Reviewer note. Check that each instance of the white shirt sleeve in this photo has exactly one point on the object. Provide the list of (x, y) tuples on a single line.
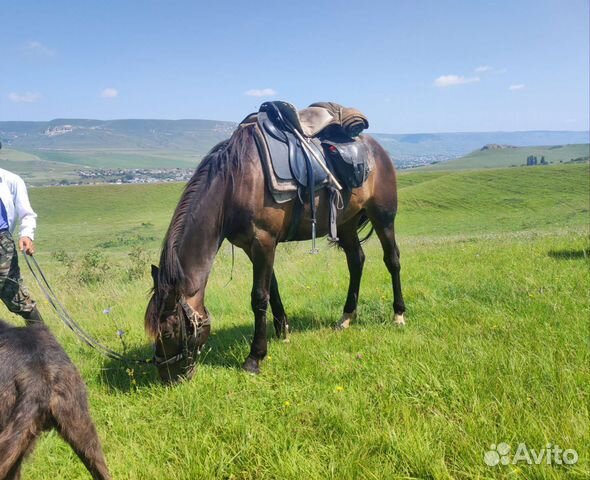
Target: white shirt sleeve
[(24, 211)]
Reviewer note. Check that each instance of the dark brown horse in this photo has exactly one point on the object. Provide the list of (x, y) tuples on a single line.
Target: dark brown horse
[(227, 198)]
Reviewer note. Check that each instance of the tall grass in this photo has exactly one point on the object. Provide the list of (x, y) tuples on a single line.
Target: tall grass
[(495, 272)]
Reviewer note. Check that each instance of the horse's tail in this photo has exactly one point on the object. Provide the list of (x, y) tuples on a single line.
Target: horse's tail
[(363, 222)]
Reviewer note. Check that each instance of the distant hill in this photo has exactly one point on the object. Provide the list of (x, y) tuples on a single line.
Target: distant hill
[(55, 151), (497, 156), (412, 150), (200, 135), (72, 134)]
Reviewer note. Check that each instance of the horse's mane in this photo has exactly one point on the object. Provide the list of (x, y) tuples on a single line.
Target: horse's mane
[(222, 161)]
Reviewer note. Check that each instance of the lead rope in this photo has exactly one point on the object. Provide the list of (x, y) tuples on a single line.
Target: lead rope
[(66, 318)]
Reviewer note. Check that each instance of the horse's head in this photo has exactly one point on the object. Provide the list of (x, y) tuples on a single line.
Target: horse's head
[(178, 330)]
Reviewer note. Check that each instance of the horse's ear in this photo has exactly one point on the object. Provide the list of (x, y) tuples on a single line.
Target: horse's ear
[(155, 271)]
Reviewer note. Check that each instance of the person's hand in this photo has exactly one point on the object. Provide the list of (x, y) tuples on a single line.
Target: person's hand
[(25, 244)]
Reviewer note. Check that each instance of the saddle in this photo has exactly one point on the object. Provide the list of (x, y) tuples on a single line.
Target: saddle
[(310, 149), (311, 121)]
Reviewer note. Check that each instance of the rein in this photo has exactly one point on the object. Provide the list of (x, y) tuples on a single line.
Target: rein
[(65, 317)]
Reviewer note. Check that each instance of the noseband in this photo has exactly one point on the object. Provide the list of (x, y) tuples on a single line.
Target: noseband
[(197, 321)]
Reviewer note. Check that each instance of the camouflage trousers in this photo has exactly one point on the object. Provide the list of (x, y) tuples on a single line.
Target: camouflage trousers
[(12, 291)]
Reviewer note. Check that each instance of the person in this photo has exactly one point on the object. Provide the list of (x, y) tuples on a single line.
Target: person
[(15, 207)]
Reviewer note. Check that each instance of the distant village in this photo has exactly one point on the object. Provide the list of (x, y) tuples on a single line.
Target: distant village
[(120, 176)]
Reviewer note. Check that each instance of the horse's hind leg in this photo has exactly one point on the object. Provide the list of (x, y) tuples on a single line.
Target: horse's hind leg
[(383, 223), (348, 240), (72, 418), (280, 321), (261, 253)]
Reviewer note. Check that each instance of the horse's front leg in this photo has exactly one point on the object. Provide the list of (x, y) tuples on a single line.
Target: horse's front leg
[(262, 253)]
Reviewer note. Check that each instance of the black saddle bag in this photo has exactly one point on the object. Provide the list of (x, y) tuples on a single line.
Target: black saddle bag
[(348, 160)]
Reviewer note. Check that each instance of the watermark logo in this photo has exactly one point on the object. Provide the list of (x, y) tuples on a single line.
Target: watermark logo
[(502, 454)]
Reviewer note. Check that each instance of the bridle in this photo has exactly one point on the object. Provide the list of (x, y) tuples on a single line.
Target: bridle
[(185, 313)]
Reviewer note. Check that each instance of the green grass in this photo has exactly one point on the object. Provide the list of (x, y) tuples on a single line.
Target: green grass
[(33, 169), (496, 276), (43, 167), (122, 158), (514, 157)]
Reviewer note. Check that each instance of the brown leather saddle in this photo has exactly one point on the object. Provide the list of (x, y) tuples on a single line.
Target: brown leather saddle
[(306, 150)]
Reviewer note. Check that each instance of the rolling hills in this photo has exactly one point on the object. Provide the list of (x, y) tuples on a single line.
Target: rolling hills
[(80, 134), (462, 202), (509, 156), (70, 145)]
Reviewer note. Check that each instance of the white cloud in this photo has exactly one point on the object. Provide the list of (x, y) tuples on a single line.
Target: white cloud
[(483, 69), (453, 80), (518, 86), (109, 93), (27, 97), (263, 92), (37, 48)]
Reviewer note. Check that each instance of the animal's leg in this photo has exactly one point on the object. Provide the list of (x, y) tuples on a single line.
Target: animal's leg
[(17, 439), (383, 223), (280, 321), (72, 418), (14, 473), (262, 252), (355, 258)]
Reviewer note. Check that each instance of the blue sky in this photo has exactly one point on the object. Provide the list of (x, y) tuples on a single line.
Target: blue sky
[(411, 66)]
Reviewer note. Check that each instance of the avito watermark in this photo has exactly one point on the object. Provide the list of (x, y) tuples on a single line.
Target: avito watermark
[(502, 454)]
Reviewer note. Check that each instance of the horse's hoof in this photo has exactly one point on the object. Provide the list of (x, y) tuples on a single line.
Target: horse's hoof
[(251, 366), (285, 334), (345, 321), (281, 330), (399, 320)]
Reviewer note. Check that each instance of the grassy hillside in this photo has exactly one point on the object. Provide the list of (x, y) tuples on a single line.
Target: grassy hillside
[(414, 149), (123, 158), (430, 203), (43, 167), (514, 157), (131, 143), (495, 272), (35, 170), (49, 152)]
